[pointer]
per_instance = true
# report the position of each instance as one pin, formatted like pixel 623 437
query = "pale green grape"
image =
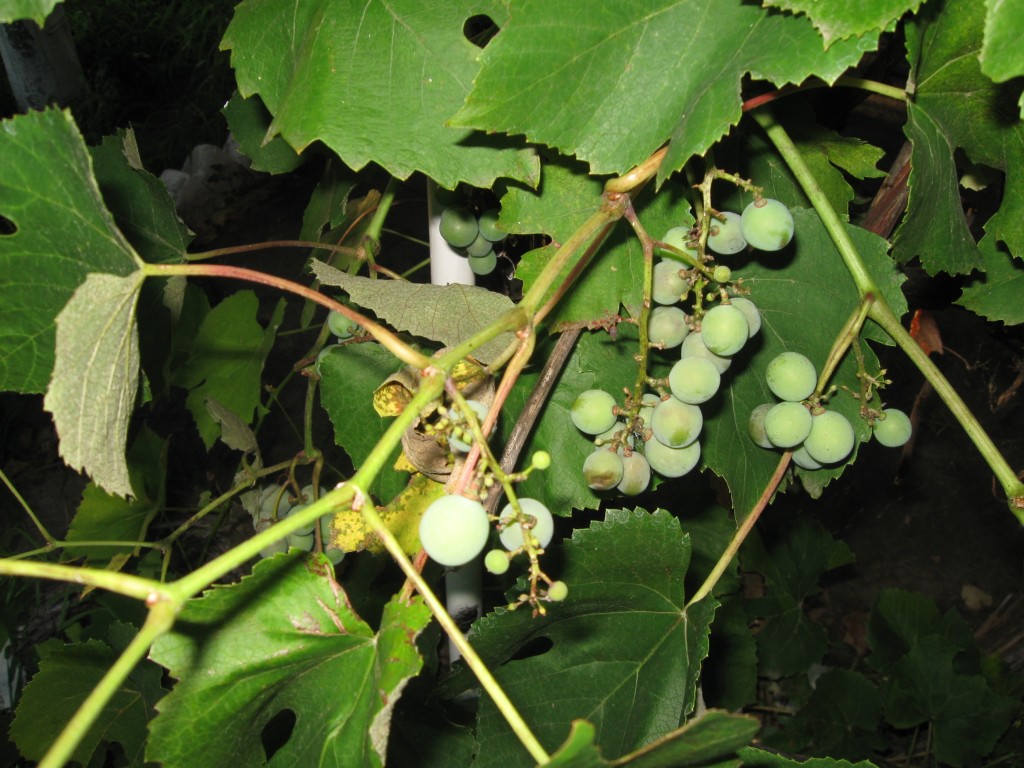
pixel 831 438
pixel 668 287
pixel 749 310
pixel 787 424
pixel 461 442
pixel 722 274
pixel 454 530
pixel 647 403
pixel 755 425
pixel 667 326
pixel 694 346
pixel 592 411
pixel 675 423
pixel 694 380
pixel 558 591
pixel 726 237
pixel 303 541
pixel 306 529
pixel 724 330
pixel 671 462
pixel 540 460
pixel 479 248
pixel 496 561
pixel 340 325
pixel 458 226
pixel 636 475
pixel 483 265
pixel 512 534
pixel 488 223
pixel 803 459
pixel 791 376
pixel 269 497
pixel 894 430
pixel 611 434
pixel 678 237
pixel 602 469
pixel 767 224
pixel 281 545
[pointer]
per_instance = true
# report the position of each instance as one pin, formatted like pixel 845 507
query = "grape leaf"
pixel 955 105
pixel 449 314
pixel 612 87
pixel 283 638
pixel 901 620
pixel 996 293
pixel 753 757
pixel 37 10
pixel 374 81
pixel 621 651
pixel 249 122
pixel 46 177
pixel 95 378
pixel 837 21
pixel 1001 55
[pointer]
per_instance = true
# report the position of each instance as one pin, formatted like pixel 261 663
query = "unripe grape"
pixel 831 438
pixel 678 237
pixel 755 425
pixel 694 346
pixel 750 312
pixel 894 430
pixel 483 265
pixel 668 287
pixel 540 460
pixel 558 591
pixel 543 528
pixel 675 423
pixel 722 274
pixel 340 325
pixel 636 475
pixel 281 545
pixel 724 330
pixel 647 403
pixel 694 380
pixel 303 541
pixel 479 248
pixel 592 411
pixel 602 470
pixel 791 376
pixel 671 462
pixel 803 459
pixel 458 226
pixel 787 424
pixel 667 326
pixel 488 223
pixel 726 236
pixel 306 529
pixel 767 224
pixel 454 530
pixel 615 432
pixel 462 444
pixel 496 561
pixel 269 497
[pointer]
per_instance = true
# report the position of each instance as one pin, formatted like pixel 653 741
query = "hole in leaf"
pixel 479 29
pixel 7 227
pixel 277 731
pixel 535 647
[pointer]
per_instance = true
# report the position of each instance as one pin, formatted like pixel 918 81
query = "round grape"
pixel 694 380
pixel 667 326
pixel 671 462
pixel 271 497
pixel 540 460
pixel 675 423
pixel 791 376
pixel 543 528
pixel 614 433
pixel 454 530
pixel 755 425
pixel 479 248
pixel 647 404
pixel 592 411
pixel 803 459
pixel 668 287
pixel 281 545
pixel 488 223
pixel 458 226
pixel 636 475
pixel 694 346
pixel 831 438
pixel 722 274
pixel 496 561
pixel 767 224
pixel 306 529
pixel 602 470
pixel 787 424
pixel 749 310
pixel 340 325
pixel 678 237
pixel 726 237
pixel 303 541
pixel 558 591
pixel 483 265
pixel 894 430
pixel 724 330
pixel 462 444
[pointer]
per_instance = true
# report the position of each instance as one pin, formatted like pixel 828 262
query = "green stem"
pixel 160 620
pixel 47 536
pixel 121 583
pixel 846 337
pixel 233 249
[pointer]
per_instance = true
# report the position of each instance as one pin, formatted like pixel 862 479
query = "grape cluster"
pixel 473 235
pixel 765 224
pixel 275 505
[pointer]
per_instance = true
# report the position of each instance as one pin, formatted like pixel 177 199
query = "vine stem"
pixel 882 313
pixel 248 247
pixel 112 581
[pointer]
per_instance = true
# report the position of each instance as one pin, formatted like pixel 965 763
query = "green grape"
pixel 462 443
pixel 303 541
pixel 791 376
pixel 458 226
pixel 893 430
pixel 722 274
pixel 749 310
pixel 602 470
pixel 543 529
pixel 694 346
pixel 269 497
pixel 334 554
pixel 479 247
pixel 726 237
pixel 787 424
pixel 668 287
pixel 613 433
pixel 540 460
pixel 831 438
pixel 647 403
pixel 558 591
pixel 675 423
pixel 767 224
pixel 678 237
pixel 488 223
pixel 340 325
pixel 671 462
pixel 454 530
pixel 483 265
pixel 306 529
pixel 496 562
pixel 694 380
pixel 281 545
pixel 724 330
pixel 636 475
pixel 667 326
pixel 755 425
pixel 592 411
pixel 803 459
